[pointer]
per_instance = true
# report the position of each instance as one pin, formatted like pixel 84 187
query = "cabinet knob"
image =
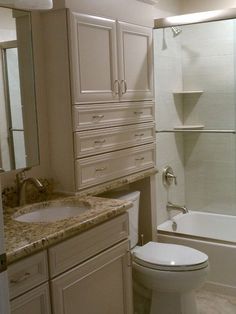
pixel 138 112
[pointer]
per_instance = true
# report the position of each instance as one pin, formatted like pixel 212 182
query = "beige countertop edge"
pixel 108 186
pixel 24 248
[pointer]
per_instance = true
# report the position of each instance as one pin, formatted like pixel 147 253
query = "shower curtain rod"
pixel 195 18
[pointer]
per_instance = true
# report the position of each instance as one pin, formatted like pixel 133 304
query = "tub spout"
pixel 171 206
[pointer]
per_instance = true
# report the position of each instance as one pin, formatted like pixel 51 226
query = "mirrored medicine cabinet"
pixel 18 118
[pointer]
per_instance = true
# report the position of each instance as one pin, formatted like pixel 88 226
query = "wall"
pixel 209 159
pixel 132 11
pixel 169 113
pixel 204 163
pixel 189 6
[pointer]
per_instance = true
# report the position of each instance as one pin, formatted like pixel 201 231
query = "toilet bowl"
pixel 170 272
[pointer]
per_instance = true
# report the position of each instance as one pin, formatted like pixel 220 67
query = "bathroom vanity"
pixel 83 265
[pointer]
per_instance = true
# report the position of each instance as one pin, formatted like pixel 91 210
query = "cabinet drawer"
pixel 27 273
pixel 77 249
pixel 105 115
pixel 32 302
pixel 91 143
pixel 101 168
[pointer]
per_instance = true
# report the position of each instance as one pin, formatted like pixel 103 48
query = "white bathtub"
pixel 210 233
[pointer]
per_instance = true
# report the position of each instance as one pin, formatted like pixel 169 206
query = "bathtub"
pixel 213 234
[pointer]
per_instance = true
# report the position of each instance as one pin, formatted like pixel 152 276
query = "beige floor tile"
pixel 215 303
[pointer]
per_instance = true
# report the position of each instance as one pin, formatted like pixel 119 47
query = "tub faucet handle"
pixel 168 176
pixel 172 177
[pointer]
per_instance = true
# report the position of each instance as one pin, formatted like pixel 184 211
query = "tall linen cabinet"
pixel 99 85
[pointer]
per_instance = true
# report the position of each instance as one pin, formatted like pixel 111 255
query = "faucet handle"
pixel 171 176
pixel 168 176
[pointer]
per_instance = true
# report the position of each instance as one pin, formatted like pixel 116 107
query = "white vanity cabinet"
pixel 111 60
pixel 91 273
pixel 100 285
pixel 88 273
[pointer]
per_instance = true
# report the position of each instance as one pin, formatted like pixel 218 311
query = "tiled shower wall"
pixel 208 63
pixel 168 77
pixel 200 58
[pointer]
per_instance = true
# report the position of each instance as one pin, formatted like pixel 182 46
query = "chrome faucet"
pixel 22 182
pixel 171 206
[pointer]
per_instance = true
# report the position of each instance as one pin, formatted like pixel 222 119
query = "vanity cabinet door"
pixel 135 62
pixel 102 285
pixel 36 301
pixel 94 59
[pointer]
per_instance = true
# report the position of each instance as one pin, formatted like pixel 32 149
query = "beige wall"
pixel 205 5
pixel 132 11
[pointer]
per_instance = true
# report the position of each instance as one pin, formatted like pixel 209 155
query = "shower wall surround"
pixel 201 58
pixel 168 77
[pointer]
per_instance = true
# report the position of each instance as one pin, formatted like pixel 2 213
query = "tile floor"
pixel 215 303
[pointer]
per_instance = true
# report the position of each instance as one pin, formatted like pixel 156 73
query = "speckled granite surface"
pixel 23 239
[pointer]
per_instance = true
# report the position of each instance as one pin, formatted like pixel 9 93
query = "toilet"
pixel 170 272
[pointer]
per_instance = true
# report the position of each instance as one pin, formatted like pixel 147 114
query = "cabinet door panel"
pixel 103 285
pixel 94 59
pixel 34 302
pixel 135 62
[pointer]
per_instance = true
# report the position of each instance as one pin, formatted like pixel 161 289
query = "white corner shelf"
pixel 189 127
pixel 188 92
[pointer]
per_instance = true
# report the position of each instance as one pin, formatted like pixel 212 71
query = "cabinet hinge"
pixel 3 262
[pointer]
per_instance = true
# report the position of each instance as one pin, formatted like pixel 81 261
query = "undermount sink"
pixel 52 213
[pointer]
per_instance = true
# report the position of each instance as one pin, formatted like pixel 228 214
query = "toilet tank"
pixel 133 213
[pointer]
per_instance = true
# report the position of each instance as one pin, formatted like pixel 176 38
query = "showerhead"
pixel 176 30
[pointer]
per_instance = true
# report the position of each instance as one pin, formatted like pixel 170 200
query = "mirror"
pixel 18 119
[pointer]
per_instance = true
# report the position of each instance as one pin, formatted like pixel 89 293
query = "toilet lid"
pixel 169 257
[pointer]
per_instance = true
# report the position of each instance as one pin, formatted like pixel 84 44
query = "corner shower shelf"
pixel 187 92
pixel 196 131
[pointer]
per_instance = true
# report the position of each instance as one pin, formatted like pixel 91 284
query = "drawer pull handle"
pixel 20 279
pixel 98 116
pixel 116 87
pixel 101 169
pixel 138 135
pixel 138 112
pixel 99 141
pixel 140 158
pixel 124 87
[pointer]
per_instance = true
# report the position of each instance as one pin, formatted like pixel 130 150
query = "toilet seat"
pixel 169 257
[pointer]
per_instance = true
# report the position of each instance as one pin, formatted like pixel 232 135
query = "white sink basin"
pixel 52 213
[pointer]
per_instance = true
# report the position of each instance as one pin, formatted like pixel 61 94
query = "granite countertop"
pixel 23 239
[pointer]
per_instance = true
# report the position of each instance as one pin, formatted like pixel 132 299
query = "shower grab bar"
pixel 196 131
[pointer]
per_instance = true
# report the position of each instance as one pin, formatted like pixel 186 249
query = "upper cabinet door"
pixel 94 59
pixel 135 62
